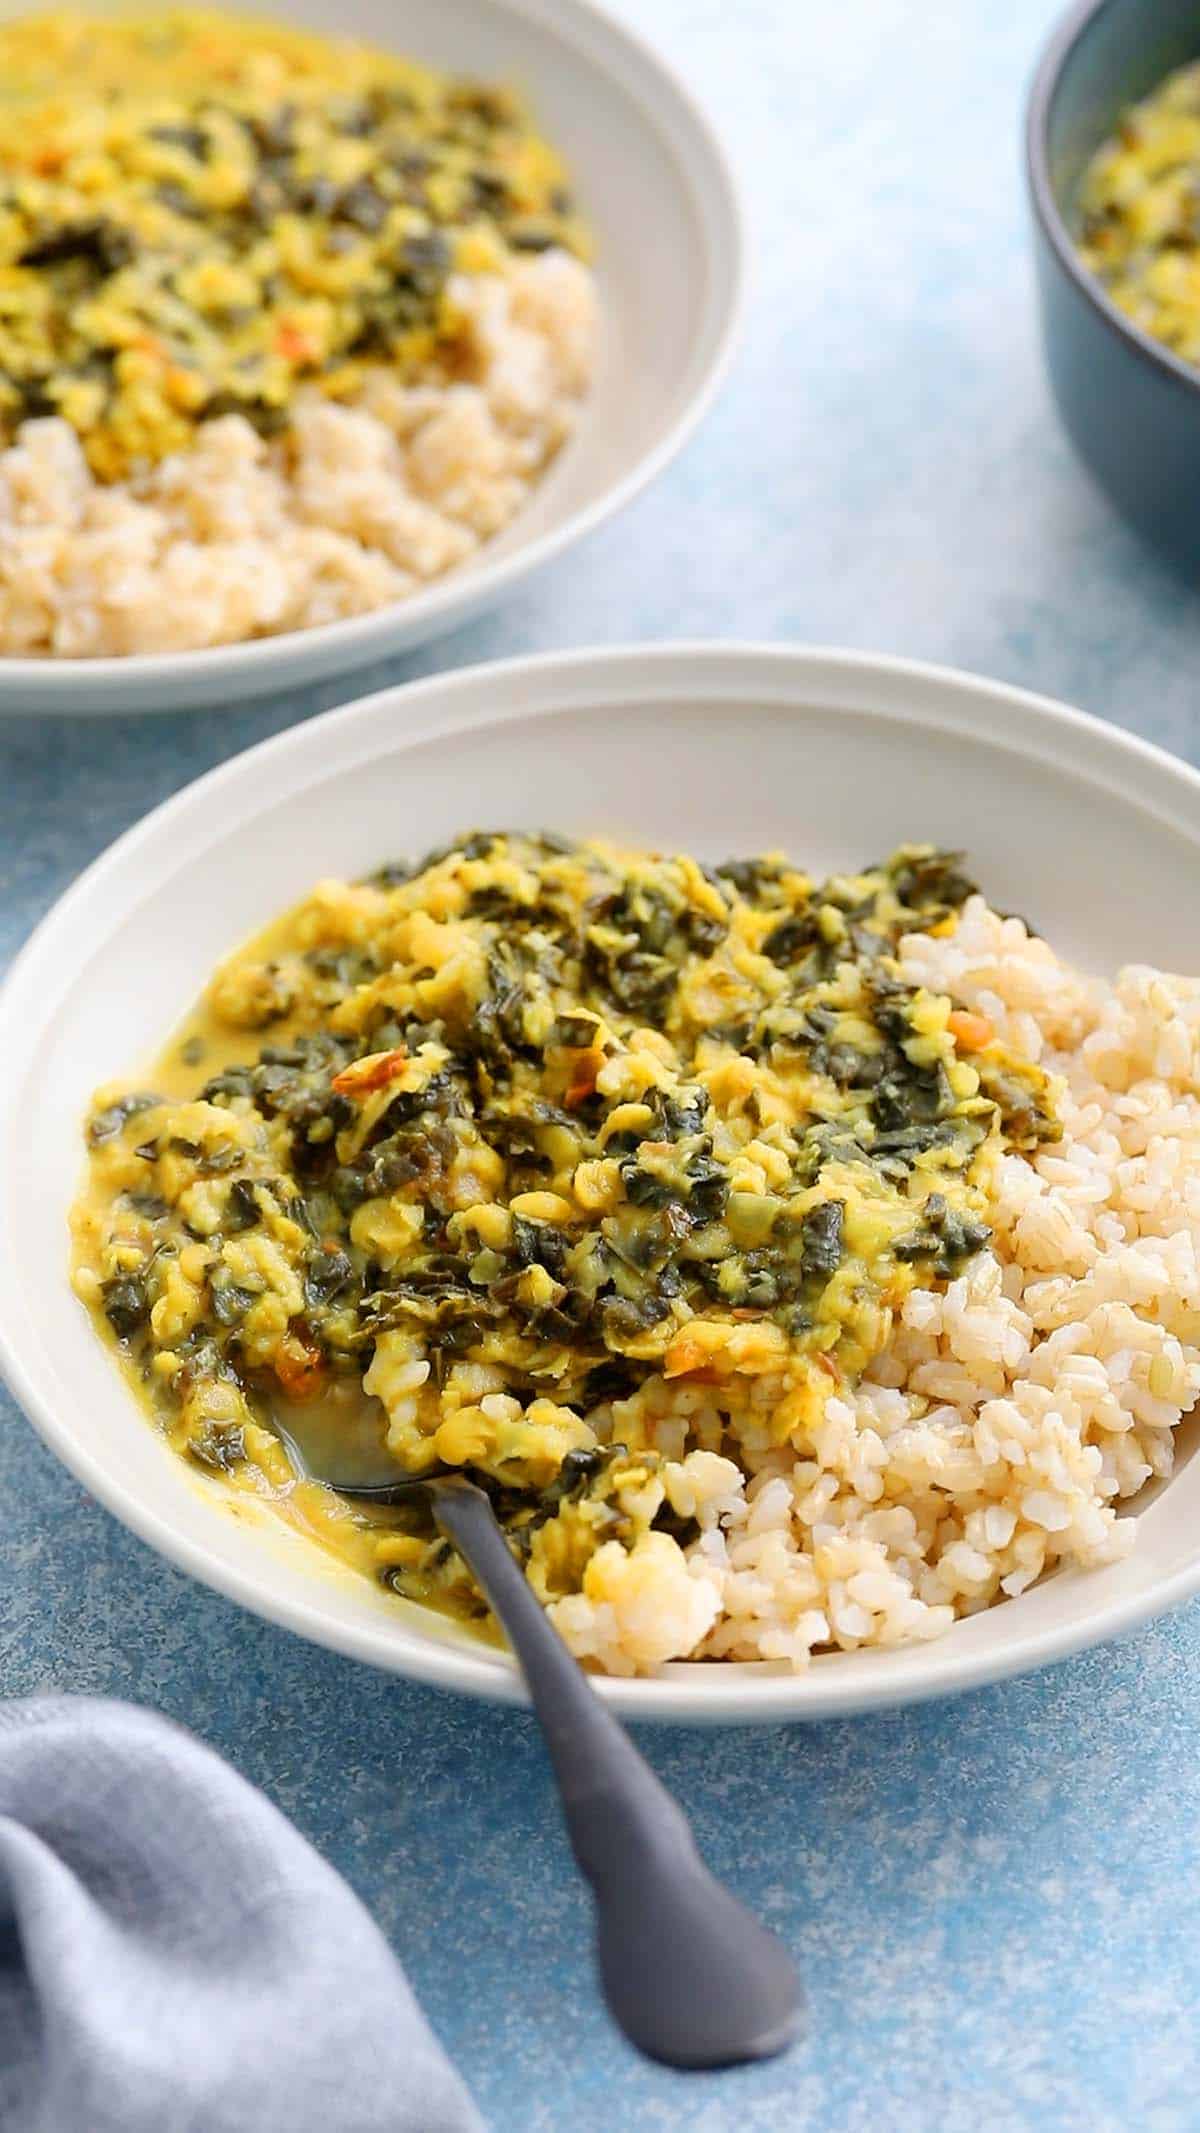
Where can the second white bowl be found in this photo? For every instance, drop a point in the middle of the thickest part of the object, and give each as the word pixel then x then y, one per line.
pixel 654 184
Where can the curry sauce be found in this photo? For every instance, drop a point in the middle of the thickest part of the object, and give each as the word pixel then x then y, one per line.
pixel 481 1163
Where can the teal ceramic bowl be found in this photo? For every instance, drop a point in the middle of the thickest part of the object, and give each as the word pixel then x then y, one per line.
pixel 1131 408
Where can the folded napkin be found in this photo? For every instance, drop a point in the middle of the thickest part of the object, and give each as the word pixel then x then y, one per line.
pixel 174 1958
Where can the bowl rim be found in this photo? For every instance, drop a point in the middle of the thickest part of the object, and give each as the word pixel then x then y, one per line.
pixel 1037 729
pixel 1065 38
pixel 238 670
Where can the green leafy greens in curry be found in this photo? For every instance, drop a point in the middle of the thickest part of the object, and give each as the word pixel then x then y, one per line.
pixel 201 215
pixel 490 1162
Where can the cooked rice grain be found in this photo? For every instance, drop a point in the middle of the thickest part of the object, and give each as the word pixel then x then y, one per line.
pixel 1009 1416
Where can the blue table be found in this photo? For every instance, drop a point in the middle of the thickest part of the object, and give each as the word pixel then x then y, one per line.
pixel 995 1900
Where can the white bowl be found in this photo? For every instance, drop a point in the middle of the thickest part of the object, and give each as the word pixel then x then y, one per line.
pixel 654 183
pixel 720 749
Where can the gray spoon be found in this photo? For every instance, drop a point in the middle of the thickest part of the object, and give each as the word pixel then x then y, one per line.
pixel 690 1976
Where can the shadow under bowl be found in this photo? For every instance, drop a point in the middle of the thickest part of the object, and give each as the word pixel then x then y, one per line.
pixel 1130 407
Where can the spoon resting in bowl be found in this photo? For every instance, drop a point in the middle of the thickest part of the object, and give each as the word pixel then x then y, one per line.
pixel 688 1974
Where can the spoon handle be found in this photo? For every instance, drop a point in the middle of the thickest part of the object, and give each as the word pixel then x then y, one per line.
pixel 690 1976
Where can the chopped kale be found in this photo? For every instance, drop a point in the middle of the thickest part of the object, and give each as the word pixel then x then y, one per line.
pixel 821 1235
pixel 105 1125
pixel 126 1305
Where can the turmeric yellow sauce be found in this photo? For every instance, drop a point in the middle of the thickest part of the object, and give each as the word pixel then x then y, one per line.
pixel 200 215
pixel 493 1163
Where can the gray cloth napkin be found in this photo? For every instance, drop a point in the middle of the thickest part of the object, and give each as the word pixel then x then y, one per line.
pixel 174 1958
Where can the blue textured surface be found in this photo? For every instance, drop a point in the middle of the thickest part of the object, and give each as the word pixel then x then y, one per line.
pixel 995 1900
